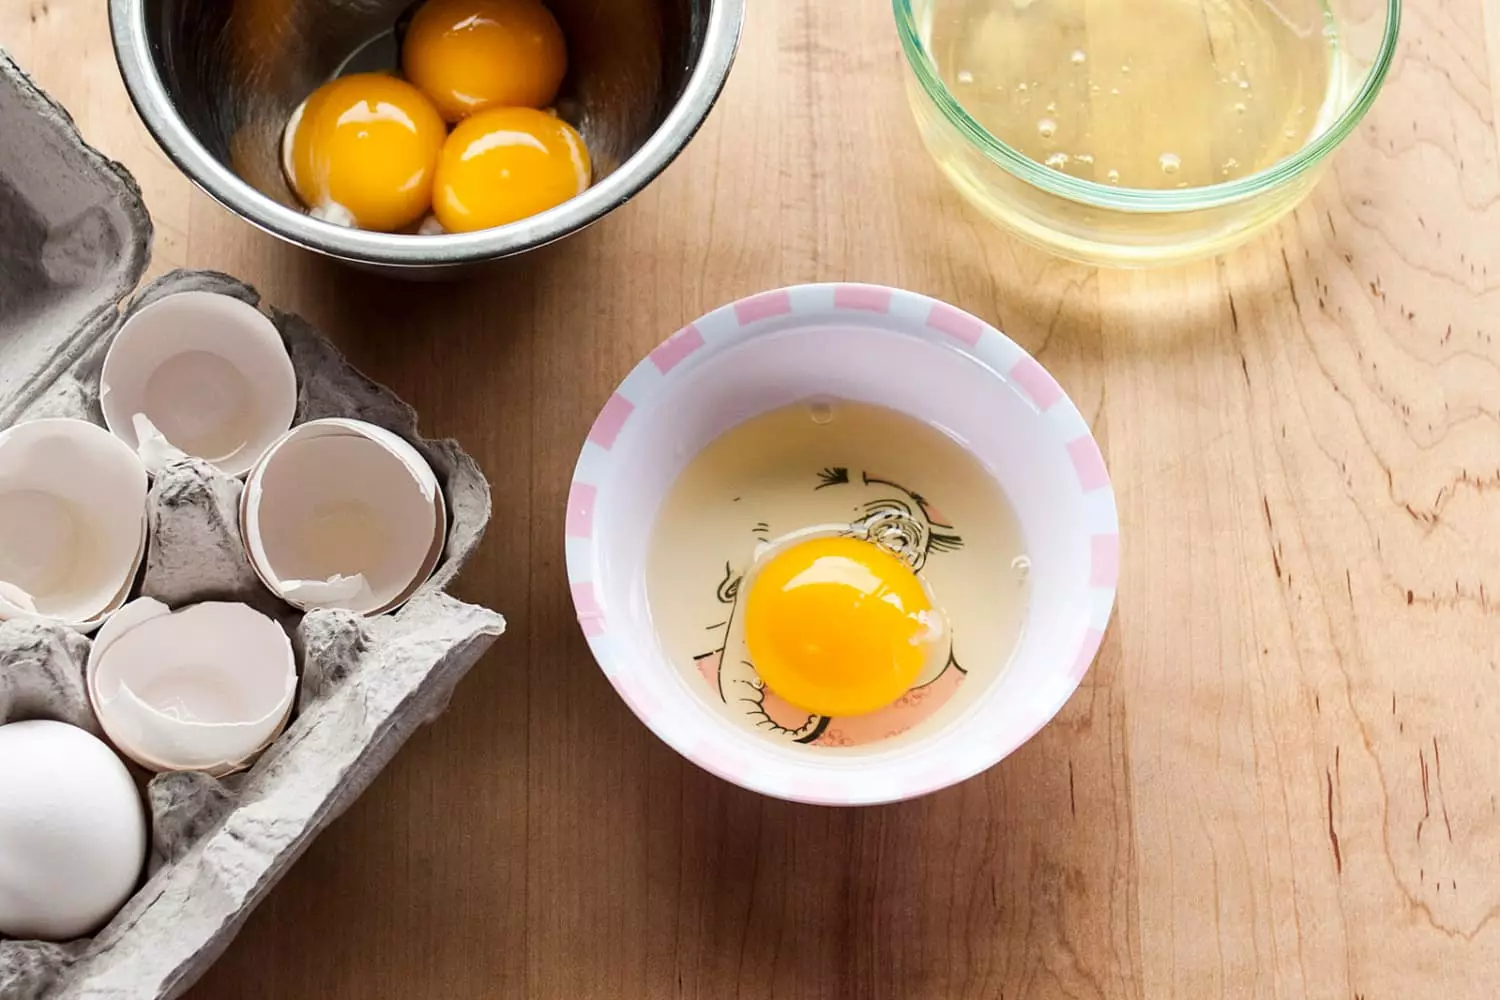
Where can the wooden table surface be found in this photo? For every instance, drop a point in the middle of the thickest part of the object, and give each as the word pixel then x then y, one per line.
pixel 1279 780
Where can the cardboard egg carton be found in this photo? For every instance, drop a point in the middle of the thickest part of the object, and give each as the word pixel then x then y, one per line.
pixel 74 241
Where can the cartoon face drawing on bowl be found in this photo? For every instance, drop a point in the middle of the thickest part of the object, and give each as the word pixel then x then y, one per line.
pixel 927 542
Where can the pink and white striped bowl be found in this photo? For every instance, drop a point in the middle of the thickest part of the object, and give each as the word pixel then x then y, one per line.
pixel 877 345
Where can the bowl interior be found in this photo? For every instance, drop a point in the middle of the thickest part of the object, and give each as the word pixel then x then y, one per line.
pixel 1364 43
pixel 235 70
pixel 983 394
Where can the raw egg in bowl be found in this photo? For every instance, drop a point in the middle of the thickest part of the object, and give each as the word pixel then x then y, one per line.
pixel 842 544
pixel 221 86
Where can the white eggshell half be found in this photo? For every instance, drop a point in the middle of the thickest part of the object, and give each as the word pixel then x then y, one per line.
pixel 210 376
pixel 201 689
pixel 72 832
pixel 343 514
pixel 72 521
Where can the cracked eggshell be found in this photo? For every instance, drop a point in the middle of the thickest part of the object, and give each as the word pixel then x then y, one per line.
pixel 343 514
pixel 200 374
pixel 206 688
pixel 72 521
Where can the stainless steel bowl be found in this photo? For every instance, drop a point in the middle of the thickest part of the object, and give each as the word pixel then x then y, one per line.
pixel 215 81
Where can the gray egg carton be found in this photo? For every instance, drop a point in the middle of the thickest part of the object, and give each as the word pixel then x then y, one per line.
pixel 74 242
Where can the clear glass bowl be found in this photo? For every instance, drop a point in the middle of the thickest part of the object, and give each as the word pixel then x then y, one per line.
pixel 1104 224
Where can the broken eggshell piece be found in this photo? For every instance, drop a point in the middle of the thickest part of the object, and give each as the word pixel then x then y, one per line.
pixel 206 688
pixel 200 374
pixel 72 522
pixel 343 514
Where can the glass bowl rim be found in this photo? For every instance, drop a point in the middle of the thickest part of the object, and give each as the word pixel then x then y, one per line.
pixel 1093 193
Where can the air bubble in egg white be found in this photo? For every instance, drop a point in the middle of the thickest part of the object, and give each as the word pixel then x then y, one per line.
pixel 1022 567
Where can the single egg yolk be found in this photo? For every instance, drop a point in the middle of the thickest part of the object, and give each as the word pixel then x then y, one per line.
pixel 506 164
pixel 468 55
pixel 838 626
pixel 362 151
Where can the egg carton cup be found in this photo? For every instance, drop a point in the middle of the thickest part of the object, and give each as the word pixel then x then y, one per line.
pixel 74 241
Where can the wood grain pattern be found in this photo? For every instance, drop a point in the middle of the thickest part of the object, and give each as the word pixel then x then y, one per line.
pixel 1279 780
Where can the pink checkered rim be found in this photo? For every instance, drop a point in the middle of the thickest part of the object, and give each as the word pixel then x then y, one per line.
pixel 844 302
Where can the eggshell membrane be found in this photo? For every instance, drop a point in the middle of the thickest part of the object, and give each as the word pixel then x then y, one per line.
pixel 206 688
pixel 341 513
pixel 72 831
pixel 72 521
pixel 178 360
pixel 155 451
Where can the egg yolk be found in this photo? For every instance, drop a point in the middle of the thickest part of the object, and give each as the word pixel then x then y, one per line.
pixel 838 626
pixel 468 55
pixel 363 150
pixel 507 164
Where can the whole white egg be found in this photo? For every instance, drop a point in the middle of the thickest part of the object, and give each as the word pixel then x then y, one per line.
pixel 72 832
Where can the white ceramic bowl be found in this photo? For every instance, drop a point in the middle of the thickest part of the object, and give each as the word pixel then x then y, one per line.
pixel 877 345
